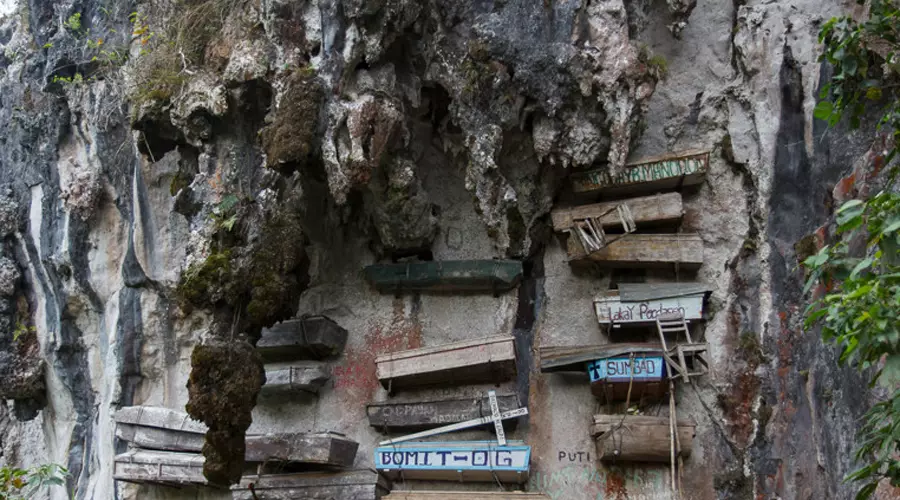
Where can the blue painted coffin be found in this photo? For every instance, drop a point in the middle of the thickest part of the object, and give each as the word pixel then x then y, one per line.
pixel 644 369
pixel 455 461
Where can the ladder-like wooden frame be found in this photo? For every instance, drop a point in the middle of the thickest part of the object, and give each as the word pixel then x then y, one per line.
pixel 677 356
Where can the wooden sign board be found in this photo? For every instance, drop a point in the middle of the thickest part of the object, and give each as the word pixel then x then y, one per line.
pixel 638 438
pixel 625 369
pixel 465 495
pixel 311 337
pixel 657 173
pixel 359 484
pixel 645 250
pixel 421 415
pixel 456 461
pixel 573 358
pixel 490 359
pixel 658 208
pixel 160 467
pixel 446 276
pixel 159 428
pixel 612 308
pixel 307 376
pixel 314 448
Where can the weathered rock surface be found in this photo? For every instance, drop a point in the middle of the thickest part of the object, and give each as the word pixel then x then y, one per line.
pixel 222 166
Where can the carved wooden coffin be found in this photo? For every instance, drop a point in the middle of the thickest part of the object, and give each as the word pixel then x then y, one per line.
pixel 421 415
pixel 649 174
pixel 465 495
pixel 361 484
pixel 656 209
pixel 311 337
pixel 574 358
pixel 645 250
pixel 456 461
pixel 324 448
pixel 638 438
pixel 160 467
pixel 490 359
pixel 307 376
pixel 446 276
pixel 159 428
pixel 644 302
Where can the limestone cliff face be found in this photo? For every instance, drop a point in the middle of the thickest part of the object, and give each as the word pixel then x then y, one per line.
pixel 175 174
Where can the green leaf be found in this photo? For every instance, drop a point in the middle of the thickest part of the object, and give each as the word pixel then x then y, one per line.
pixel 890 374
pixel 823 110
pixel 849 204
pixel 864 264
pixel 866 491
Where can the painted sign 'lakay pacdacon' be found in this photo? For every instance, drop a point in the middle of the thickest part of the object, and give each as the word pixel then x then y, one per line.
pixel 643 303
pixel 455 461
pixel 667 172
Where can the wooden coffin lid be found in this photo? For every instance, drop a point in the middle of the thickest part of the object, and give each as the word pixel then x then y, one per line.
pixel 666 207
pixel 440 349
pixel 159 417
pixel 288 486
pixel 603 423
pixel 573 358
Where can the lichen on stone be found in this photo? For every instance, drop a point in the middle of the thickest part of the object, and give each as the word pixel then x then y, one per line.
pixel 290 140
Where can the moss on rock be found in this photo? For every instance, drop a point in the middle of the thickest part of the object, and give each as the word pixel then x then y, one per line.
pixel 291 138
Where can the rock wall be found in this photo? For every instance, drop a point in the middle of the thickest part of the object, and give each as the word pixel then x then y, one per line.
pixel 155 199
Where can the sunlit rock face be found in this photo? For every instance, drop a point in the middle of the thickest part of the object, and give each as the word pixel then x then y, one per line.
pixel 183 174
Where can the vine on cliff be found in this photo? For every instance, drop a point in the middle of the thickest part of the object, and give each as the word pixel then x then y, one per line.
pixel 858 312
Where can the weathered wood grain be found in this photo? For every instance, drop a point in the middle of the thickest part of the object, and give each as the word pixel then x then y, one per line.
pixel 307 376
pixel 465 495
pixel 638 438
pixel 360 484
pixel 575 358
pixel 480 360
pixel 648 174
pixel 320 448
pixel 421 415
pixel 160 467
pixel 158 428
pixel 645 250
pixel 658 208
pixel 311 337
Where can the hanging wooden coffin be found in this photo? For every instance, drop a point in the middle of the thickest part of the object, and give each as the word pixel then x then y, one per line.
pixel 638 438
pixel 159 428
pixel 645 250
pixel 649 174
pixel 325 448
pixel 465 495
pixel 611 377
pixel 656 209
pixel 311 337
pixel 359 484
pixel 446 276
pixel 644 302
pixel 490 359
pixel 307 377
pixel 421 415
pixel 573 358
pixel 160 467
pixel 455 461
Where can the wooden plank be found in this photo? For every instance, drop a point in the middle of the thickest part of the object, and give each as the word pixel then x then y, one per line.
pixel 160 467
pixel 658 208
pixel 446 276
pixel 648 174
pixel 611 309
pixel 455 461
pixel 357 484
pixel 465 495
pixel 307 376
pixel 645 250
pixel 638 438
pixel 310 337
pixel 497 418
pixel 481 360
pixel 573 358
pixel 421 415
pixel 319 448
pixel 159 428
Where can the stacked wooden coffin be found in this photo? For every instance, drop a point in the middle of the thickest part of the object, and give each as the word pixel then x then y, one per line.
pixel 294 351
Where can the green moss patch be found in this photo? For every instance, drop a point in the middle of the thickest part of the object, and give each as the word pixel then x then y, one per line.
pixel 291 138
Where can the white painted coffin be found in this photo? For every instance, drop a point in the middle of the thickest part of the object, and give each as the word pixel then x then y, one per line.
pixel 160 467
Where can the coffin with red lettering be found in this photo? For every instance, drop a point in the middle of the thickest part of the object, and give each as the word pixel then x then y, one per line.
pixel 455 461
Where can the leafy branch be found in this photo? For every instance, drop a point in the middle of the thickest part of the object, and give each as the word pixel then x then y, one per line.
pixel 21 484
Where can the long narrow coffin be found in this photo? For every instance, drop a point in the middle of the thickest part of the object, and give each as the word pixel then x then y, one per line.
pixel 307 377
pixel 456 461
pixel 421 415
pixel 655 209
pixel 490 359
pixel 446 276
pixel 644 374
pixel 159 428
pixel 574 358
pixel 311 337
pixel 361 484
pixel 324 448
pixel 465 495
pixel 643 303
pixel 638 438
pixel 645 250
pixel 160 467
pixel 649 174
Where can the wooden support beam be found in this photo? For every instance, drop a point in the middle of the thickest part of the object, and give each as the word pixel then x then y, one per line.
pixel 358 484
pixel 311 337
pixel 472 361
pixel 648 174
pixel 307 376
pixel 638 438
pixel 658 208
pixel 421 415
pixel 645 250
